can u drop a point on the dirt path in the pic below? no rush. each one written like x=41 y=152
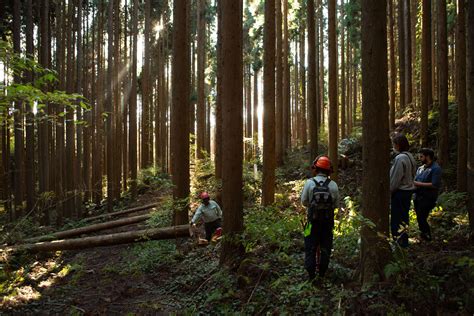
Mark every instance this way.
x=90 y=281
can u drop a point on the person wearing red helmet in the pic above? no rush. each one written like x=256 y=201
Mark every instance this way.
x=321 y=197
x=211 y=213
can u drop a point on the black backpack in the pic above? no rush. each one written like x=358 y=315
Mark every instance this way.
x=321 y=207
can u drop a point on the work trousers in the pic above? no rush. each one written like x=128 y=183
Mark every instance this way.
x=321 y=237
x=423 y=207
x=211 y=228
x=399 y=210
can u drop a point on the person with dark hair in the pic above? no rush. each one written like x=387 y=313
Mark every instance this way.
x=427 y=183
x=321 y=197
x=402 y=187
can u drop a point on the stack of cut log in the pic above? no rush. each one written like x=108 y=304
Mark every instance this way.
x=58 y=241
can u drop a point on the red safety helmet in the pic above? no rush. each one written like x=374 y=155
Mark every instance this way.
x=204 y=195
x=322 y=162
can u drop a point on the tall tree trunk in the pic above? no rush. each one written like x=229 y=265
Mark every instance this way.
x=218 y=154
x=393 y=71
x=312 y=102
x=333 y=106
x=343 y=75
x=349 y=88
x=434 y=49
x=470 y=106
x=61 y=178
x=70 y=135
x=98 y=157
x=408 y=51
x=19 y=172
x=304 y=135
x=132 y=151
x=375 y=251
x=248 y=113
x=125 y=98
x=401 y=53
x=286 y=114
x=86 y=174
x=180 y=109
x=232 y=193
x=415 y=71
x=320 y=71
x=461 y=96
x=426 y=88
x=109 y=109
x=443 y=84
x=279 y=85
x=145 y=149
x=201 y=64
x=255 y=112
x=79 y=112
x=30 y=120
x=269 y=159
x=117 y=160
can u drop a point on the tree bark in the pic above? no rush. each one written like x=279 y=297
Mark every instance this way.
x=19 y=171
x=255 y=112
x=333 y=104
x=279 y=86
x=180 y=109
x=443 y=131
x=312 y=85
x=393 y=71
x=286 y=105
x=426 y=88
x=232 y=119
x=30 y=121
x=461 y=96
x=470 y=107
x=90 y=229
x=304 y=134
x=173 y=232
x=132 y=143
x=70 y=134
x=110 y=110
x=375 y=251
x=201 y=64
x=269 y=159
x=145 y=149
x=401 y=54
x=343 y=74
x=218 y=154
x=408 y=51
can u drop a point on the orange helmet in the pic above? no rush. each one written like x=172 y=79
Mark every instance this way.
x=204 y=195
x=322 y=162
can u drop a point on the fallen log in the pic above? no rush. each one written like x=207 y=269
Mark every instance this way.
x=104 y=240
x=123 y=212
x=89 y=229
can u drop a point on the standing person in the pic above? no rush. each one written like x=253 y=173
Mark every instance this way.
x=427 y=183
x=402 y=187
x=211 y=212
x=321 y=197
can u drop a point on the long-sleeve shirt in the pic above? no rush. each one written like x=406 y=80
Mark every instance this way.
x=403 y=172
x=209 y=212
x=307 y=193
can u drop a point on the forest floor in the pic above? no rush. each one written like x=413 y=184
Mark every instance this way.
x=169 y=277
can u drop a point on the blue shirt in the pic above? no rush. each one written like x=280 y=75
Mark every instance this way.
x=429 y=174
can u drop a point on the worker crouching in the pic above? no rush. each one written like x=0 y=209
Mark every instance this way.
x=211 y=213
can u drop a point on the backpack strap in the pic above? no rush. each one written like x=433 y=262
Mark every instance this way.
x=326 y=183
x=319 y=185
